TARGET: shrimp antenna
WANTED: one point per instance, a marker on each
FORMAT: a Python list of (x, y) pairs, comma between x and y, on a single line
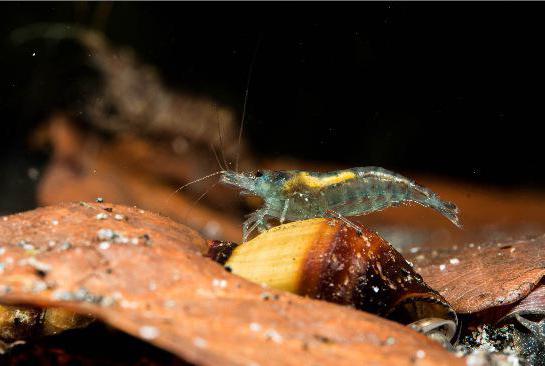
[(194, 203), (222, 150), (217, 157), (195, 181), (246, 99)]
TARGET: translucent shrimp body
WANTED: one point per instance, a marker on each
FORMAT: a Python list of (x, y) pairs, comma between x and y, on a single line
[(298, 195)]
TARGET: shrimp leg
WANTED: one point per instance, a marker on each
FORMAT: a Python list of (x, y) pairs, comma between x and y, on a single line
[(254, 220), (263, 226), (338, 216)]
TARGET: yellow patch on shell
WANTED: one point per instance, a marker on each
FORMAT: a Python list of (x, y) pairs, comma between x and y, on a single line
[(305, 180)]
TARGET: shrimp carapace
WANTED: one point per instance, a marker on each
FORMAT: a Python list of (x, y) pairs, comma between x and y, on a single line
[(297, 195)]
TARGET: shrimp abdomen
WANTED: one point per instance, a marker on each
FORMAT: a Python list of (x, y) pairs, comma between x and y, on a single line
[(375, 189)]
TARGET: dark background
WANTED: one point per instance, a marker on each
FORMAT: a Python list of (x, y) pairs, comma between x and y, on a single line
[(453, 89)]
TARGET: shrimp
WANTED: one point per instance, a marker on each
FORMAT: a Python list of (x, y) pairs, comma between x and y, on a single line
[(298, 195)]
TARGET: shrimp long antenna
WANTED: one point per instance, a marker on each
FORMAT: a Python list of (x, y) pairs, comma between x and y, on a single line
[(195, 181), (194, 203), (217, 157), (254, 57), (222, 150)]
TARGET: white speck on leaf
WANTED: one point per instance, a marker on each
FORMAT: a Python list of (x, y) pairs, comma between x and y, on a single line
[(219, 283), (274, 336), (148, 332), (102, 216), (105, 234), (255, 327), (170, 304), (200, 342)]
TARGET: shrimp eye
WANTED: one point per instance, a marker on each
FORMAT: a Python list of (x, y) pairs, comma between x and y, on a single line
[(258, 174)]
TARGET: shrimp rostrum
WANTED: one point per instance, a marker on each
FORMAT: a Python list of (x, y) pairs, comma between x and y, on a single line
[(297, 195)]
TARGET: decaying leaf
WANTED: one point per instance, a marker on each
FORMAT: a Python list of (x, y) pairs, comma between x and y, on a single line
[(145, 275), (475, 277), (130, 171)]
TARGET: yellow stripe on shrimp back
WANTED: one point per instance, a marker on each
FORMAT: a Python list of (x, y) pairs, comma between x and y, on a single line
[(304, 179)]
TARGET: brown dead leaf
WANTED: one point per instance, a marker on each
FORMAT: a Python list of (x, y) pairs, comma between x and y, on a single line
[(160, 288), (475, 277), (129, 171)]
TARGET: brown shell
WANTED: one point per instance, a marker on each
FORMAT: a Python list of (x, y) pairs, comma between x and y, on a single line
[(161, 289), (362, 269)]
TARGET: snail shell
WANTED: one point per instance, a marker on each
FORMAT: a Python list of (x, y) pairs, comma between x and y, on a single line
[(330, 260), (23, 322)]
